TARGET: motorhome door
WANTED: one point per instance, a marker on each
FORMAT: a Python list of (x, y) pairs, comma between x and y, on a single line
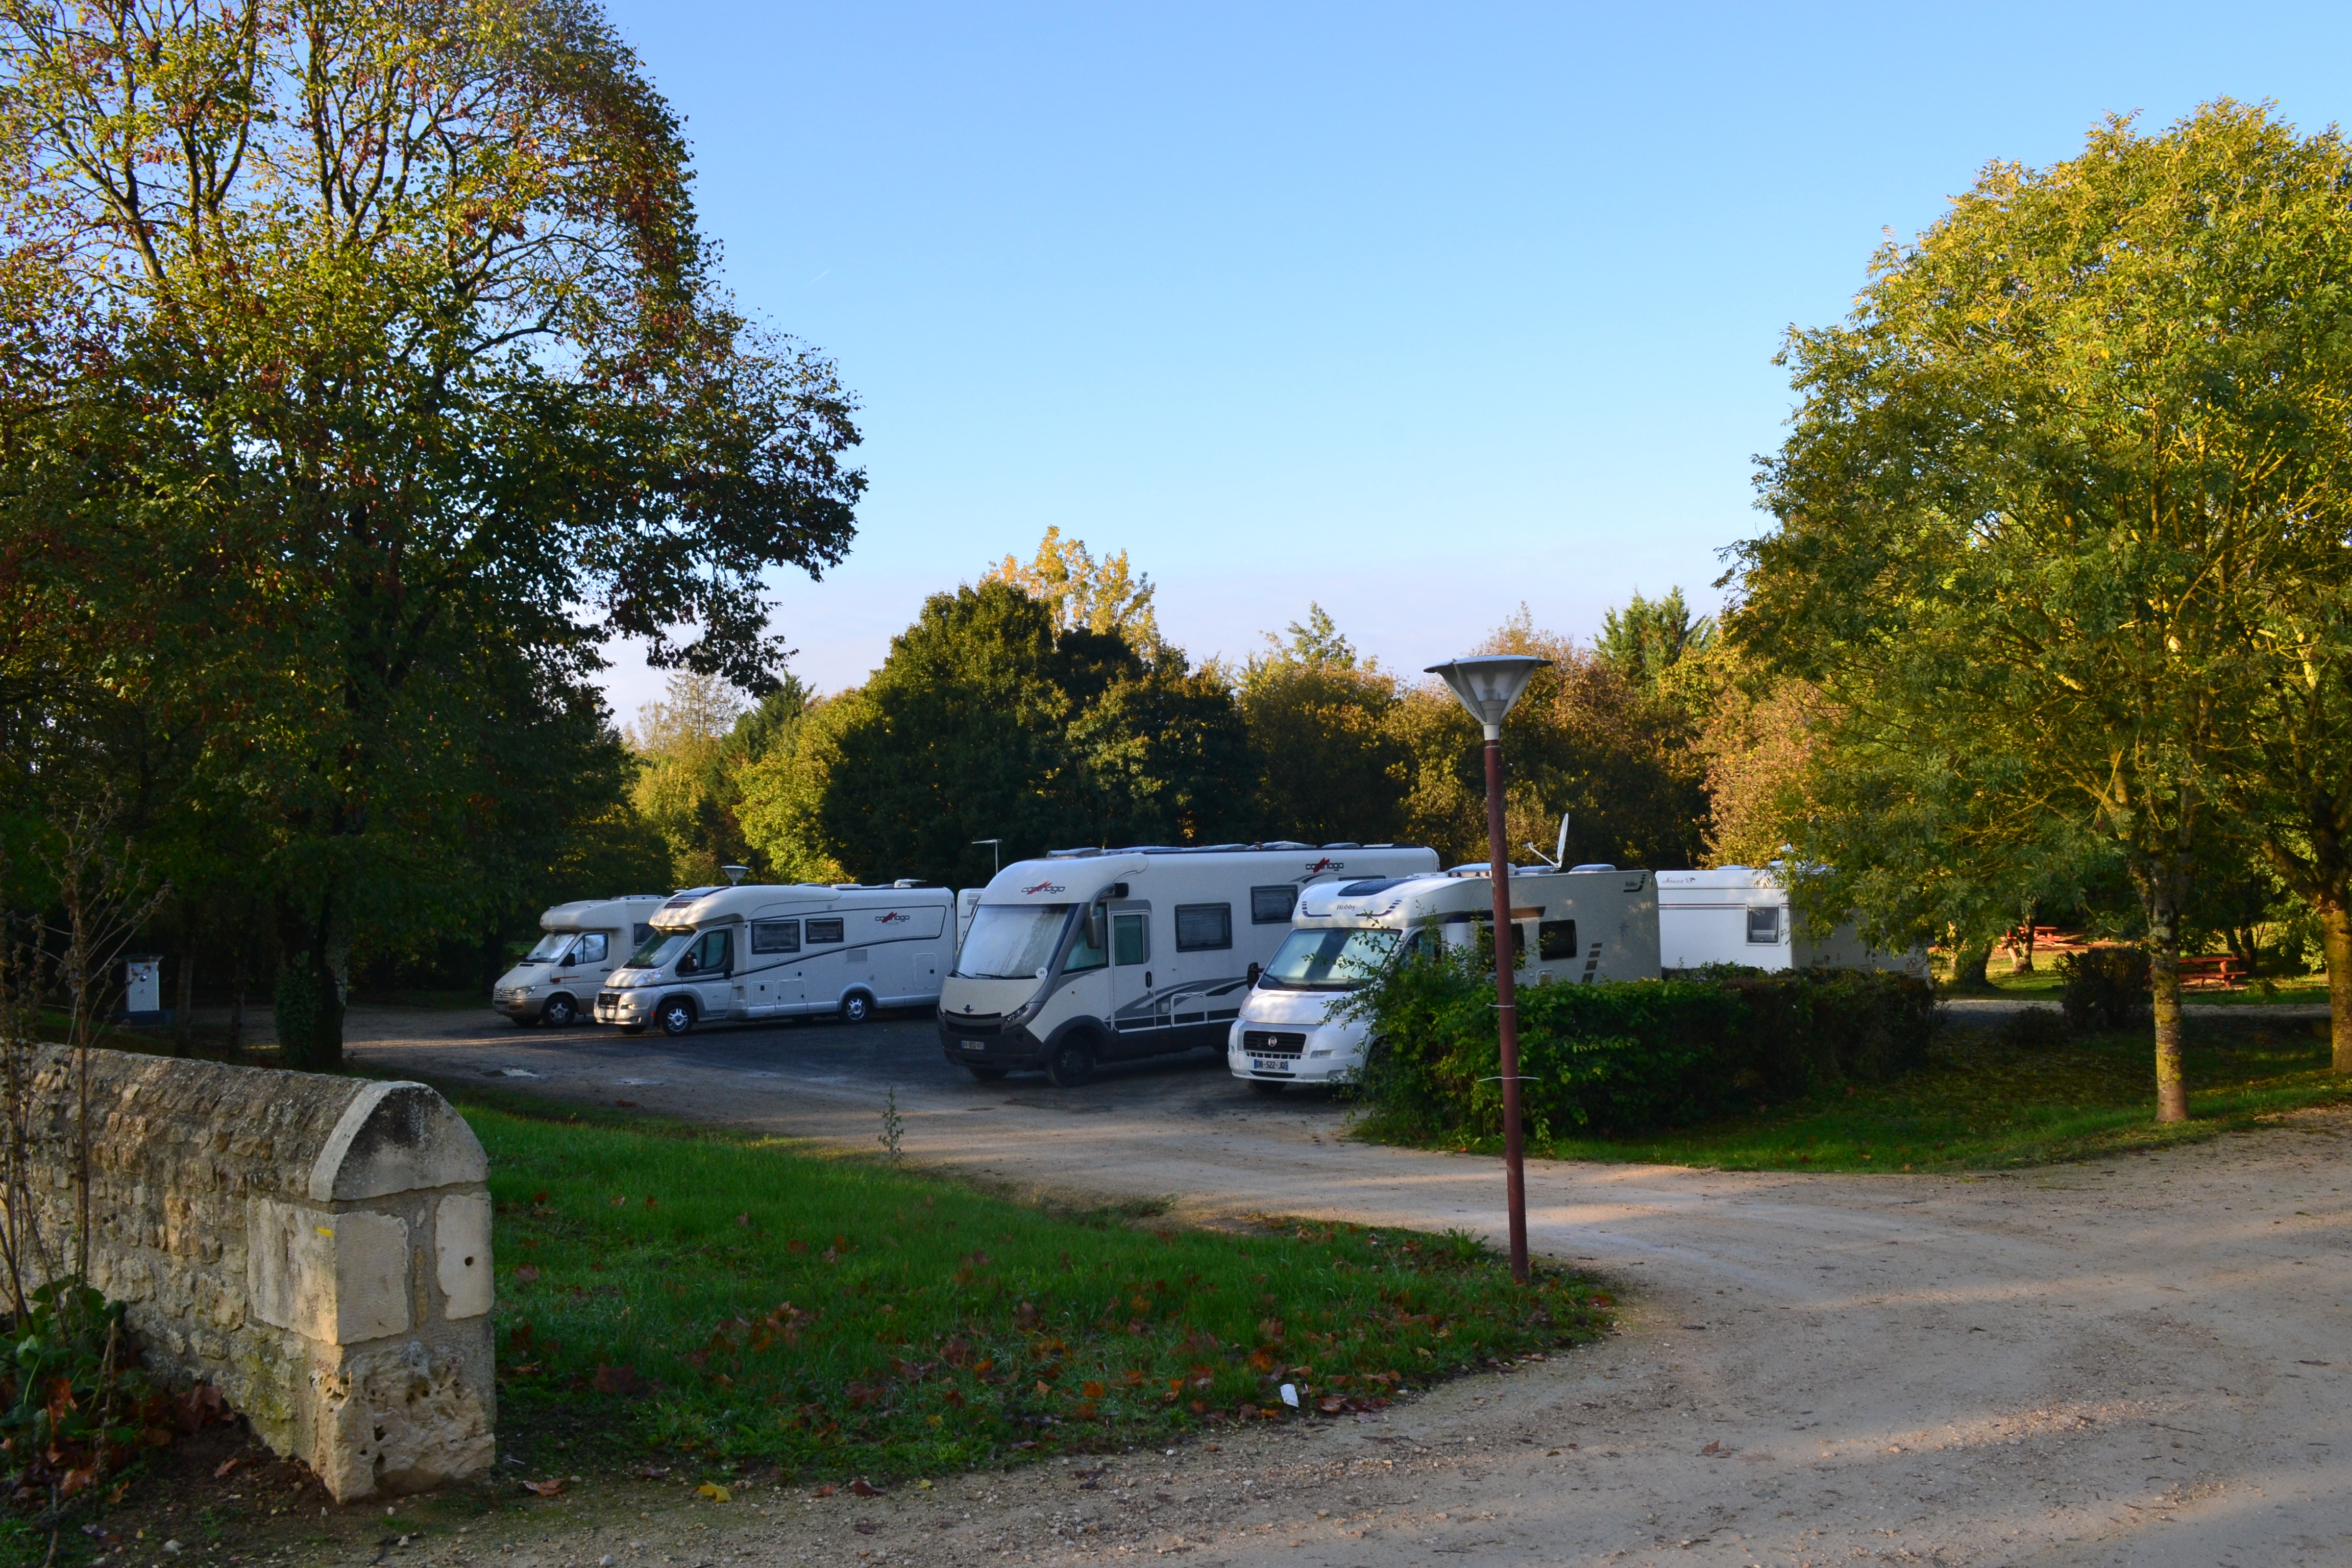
[(1131, 971)]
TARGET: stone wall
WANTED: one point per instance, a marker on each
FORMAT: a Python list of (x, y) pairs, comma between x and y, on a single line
[(318, 1249)]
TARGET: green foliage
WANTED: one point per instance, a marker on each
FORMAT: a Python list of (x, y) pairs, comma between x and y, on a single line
[(74, 1403), (2104, 988), (1648, 638), (1330, 766), (1627, 1056), (389, 344), (2051, 490), (986, 721), (740, 1299)]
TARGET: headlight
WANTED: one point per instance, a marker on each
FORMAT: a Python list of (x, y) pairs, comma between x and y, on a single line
[(1026, 1011)]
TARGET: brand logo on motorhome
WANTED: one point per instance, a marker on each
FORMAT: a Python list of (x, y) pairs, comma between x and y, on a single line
[(1042, 887), (893, 917), (1325, 864)]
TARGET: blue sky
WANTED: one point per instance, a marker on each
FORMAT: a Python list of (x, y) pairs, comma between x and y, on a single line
[(1417, 312)]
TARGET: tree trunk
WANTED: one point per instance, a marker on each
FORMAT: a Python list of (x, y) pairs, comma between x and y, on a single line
[(1968, 968), (183, 1017), (237, 994), (2336, 938), (2022, 962), (2164, 990)]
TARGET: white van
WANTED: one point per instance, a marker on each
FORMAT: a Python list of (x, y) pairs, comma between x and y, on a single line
[(1739, 914), (584, 941), (1568, 928), (738, 954), (1094, 955)]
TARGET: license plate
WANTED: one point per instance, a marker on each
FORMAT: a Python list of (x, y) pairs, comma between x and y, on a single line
[(973, 1046)]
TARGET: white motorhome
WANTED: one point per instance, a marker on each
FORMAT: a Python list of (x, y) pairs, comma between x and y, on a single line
[(583, 941), (1094, 955), (1568, 928), (1741, 914), (765, 952)]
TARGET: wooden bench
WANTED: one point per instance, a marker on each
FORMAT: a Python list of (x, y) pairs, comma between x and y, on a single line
[(2220, 970)]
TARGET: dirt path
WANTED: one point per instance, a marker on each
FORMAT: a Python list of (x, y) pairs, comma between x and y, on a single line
[(2141, 1361)]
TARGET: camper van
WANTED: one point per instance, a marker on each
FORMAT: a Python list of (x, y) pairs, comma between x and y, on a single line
[(1096, 955), (729, 954), (584, 943), (1568, 928), (1739, 914)]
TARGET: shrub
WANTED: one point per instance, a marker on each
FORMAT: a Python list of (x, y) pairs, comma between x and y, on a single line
[(2034, 1029), (1627, 1056), (2105, 988)]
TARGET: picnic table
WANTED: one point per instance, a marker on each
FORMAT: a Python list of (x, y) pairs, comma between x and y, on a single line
[(2223, 971)]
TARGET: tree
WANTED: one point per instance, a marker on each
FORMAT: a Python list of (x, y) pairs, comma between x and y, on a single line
[(1329, 768), (1648, 637), (2044, 483), (347, 351), (1618, 759), (986, 721), (1080, 592)]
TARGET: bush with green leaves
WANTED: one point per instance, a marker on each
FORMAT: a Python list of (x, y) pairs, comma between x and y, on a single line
[(2104, 989), (1627, 1056), (74, 1405)]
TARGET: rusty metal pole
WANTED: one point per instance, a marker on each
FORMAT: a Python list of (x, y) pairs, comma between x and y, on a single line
[(1506, 1004)]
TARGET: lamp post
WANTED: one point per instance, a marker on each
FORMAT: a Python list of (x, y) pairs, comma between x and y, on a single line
[(1488, 687), (996, 847)]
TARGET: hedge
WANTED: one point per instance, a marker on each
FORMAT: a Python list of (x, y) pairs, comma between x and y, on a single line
[(1631, 1056)]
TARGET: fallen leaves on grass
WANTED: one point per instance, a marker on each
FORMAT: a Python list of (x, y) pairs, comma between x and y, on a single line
[(550, 1488), (714, 1491)]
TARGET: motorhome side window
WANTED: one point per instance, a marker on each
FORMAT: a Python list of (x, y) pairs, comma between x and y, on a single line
[(1086, 945), (591, 949), (824, 931), (709, 955), (1201, 928), (1273, 906), (1764, 925), (1556, 939), (775, 936), (641, 934)]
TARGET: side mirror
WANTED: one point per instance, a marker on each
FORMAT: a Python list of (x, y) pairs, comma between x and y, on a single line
[(1254, 972), (1097, 936)]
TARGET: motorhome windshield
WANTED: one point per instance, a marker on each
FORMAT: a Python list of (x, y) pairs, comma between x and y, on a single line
[(1328, 960), (550, 945), (659, 949), (1012, 941)]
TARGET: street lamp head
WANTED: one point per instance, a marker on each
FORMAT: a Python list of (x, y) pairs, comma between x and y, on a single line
[(1490, 684)]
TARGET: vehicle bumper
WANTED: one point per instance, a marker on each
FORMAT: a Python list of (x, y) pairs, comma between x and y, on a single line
[(517, 1004), (626, 1008), (1310, 1056), (978, 1042)]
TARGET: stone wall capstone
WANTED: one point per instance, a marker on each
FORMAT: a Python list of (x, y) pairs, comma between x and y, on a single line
[(316, 1248)]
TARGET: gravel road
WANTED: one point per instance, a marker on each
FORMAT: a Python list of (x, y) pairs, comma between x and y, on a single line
[(2138, 1361)]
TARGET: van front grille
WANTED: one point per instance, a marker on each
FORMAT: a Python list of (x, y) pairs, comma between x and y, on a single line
[(1273, 1042)]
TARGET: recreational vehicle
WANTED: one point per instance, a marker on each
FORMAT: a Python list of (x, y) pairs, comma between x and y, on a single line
[(1741, 914), (749, 952), (583, 941), (1096, 955), (1568, 928)]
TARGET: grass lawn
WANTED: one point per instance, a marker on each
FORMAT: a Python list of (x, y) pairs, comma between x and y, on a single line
[(742, 1300), (1981, 1103)]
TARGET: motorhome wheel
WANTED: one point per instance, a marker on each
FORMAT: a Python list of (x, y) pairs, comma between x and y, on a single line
[(561, 1012), (856, 1007), (1073, 1062), (676, 1016)]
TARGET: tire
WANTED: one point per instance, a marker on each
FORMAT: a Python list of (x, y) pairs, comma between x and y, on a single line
[(1267, 1086), (985, 1075), (560, 1012), (676, 1016), (1072, 1063), (856, 1007)]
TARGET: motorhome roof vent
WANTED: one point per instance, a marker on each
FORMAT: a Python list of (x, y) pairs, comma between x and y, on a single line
[(1469, 868), (1343, 846), (1072, 854), (910, 882), (1282, 843), (1366, 888), (1592, 866)]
